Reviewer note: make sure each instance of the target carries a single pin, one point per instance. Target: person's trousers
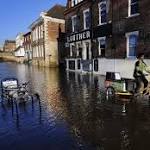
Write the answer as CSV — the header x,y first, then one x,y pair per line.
x,y
139,81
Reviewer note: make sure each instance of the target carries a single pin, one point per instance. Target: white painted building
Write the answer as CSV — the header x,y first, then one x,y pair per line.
x,y
19,51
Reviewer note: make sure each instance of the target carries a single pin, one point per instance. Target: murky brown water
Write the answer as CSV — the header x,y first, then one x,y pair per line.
x,y
73,114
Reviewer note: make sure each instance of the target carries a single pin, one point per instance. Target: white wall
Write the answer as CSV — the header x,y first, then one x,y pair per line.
x,y
20,52
124,66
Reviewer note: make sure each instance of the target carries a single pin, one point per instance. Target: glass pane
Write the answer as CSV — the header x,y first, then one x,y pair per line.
x,y
87,19
103,6
132,51
103,19
132,40
134,8
103,12
134,1
102,42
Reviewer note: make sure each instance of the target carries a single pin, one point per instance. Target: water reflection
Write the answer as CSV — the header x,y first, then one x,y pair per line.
x,y
72,114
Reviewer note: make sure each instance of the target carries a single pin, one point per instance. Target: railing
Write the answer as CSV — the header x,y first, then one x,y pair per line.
x,y
95,65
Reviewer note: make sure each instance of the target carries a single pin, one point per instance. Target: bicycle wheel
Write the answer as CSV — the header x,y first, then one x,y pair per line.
x,y
110,92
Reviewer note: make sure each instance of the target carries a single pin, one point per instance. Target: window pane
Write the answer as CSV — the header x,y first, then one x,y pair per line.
x,y
102,45
103,19
132,51
87,19
134,8
103,13
132,45
74,24
134,1
102,42
132,40
103,6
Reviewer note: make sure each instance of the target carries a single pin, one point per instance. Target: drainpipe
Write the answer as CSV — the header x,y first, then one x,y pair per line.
x,y
91,28
44,44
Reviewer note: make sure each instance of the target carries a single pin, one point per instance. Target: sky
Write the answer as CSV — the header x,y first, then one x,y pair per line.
x,y
17,15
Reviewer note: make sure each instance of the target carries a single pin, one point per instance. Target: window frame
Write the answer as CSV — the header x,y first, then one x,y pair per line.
x,y
127,42
100,10
73,26
84,18
75,2
129,8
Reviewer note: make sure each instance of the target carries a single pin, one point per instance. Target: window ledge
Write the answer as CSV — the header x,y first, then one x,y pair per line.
x,y
134,15
102,24
130,57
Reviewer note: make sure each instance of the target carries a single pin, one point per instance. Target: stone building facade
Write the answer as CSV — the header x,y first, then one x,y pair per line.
x,y
106,35
27,47
9,45
45,31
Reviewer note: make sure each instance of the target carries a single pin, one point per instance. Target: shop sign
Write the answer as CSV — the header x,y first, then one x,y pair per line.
x,y
79,36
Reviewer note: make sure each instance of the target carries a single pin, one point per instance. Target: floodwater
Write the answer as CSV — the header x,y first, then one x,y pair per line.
x,y
72,114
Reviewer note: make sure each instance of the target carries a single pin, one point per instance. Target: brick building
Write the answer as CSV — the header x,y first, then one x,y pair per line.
x,y
45,31
106,35
27,47
9,45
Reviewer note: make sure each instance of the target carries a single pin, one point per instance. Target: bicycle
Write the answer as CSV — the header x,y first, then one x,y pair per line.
x,y
11,90
121,87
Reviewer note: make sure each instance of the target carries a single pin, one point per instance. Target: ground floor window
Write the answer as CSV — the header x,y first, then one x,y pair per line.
x,y
132,42
101,46
72,50
81,49
86,52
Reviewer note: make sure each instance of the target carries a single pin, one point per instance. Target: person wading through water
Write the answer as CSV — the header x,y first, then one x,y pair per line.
x,y
139,70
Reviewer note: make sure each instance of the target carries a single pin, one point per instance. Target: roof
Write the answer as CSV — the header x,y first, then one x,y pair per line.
x,y
57,11
28,33
10,41
37,21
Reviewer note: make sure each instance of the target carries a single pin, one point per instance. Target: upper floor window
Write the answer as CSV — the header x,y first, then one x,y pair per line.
x,y
102,12
86,16
132,42
75,2
74,23
133,7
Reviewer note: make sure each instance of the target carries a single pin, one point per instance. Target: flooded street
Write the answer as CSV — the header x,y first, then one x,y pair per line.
x,y
72,114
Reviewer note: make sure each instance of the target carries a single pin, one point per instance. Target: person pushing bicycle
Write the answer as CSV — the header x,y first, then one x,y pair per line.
x,y
139,70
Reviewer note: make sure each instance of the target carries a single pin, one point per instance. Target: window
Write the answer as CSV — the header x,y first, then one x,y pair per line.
x,y
75,2
102,12
79,49
74,23
72,50
133,7
86,16
132,39
101,46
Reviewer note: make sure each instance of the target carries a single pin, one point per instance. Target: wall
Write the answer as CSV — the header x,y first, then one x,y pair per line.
x,y
124,66
52,28
19,52
8,56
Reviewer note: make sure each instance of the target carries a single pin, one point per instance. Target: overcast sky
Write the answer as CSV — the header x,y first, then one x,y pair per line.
x,y
17,15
